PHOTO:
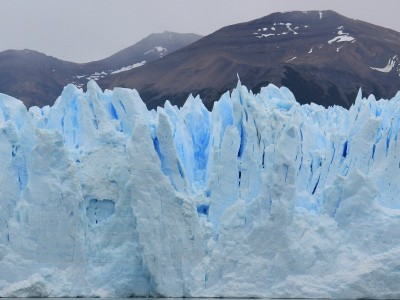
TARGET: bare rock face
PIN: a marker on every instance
(321, 57)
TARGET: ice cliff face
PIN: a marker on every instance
(260, 197)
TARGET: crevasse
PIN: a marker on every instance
(261, 197)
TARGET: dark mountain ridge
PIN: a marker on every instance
(322, 56)
(38, 79)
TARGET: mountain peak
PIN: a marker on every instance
(322, 56)
(38, 79)
(312, 16)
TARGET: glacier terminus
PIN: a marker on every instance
(261, 197)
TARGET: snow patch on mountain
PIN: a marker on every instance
(390, 65)
(161, 51)
(277, 29)
(124, 69)
(97, 75)
(293, 58)
(101, 74)
(341, 37)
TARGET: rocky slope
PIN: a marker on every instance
(38, 79)
(322, 57)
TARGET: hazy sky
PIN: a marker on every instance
(86, 30)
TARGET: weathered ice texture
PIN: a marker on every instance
(260, 197)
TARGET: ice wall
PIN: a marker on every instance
(261, 197)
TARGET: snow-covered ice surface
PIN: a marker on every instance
(261, 197)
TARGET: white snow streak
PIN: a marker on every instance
(264, 35)
(279, 29)
(342, 37)
(161, 51)
(293, 58)
(388, 67)
(129, 67)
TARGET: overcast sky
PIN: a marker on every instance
(86, 30)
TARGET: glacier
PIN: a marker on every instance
(261, 197)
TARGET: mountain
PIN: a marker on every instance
(33, 77)
(322, 56)
(38, 79)
(151, 48)
(261, 197)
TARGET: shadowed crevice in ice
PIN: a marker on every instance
(99, 210)
(260, 197)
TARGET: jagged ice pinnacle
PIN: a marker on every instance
(261, 197)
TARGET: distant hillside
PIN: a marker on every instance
(322, 57)
(38, 79)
